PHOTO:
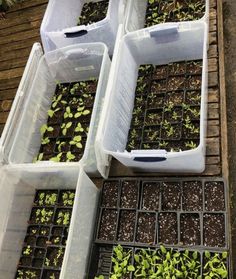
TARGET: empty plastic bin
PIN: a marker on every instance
(136, 12)
(18, 191)
(158, 46)
(69, 64)
(59, 27)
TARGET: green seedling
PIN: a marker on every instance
(81, 111)
(52, 276)
(43, 216)
(79, 128)
(69, 156)
(38, 158)
(45, 128)
(120, 261)
(63, 218)
(57, 100)
(51, 112)
(27, 251)
(60, 144)
(65, 127)
(47, 262)
(45, 141)
(68, 198)
(190, 144)
(68, 113)
(77, 142)
(56, 158)
(215, 266)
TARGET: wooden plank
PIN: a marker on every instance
(212, 65)
(26, 4)
(13, 63)
(212, 79)
(3, 117)
(16, 55)
(5, 105)
(213, 111)
(212, 38)
(7, 94)
(213, 147)
(9, 83)
(213, 51)
(212, 130)
(12, 73)
(19, 36)
(213, 95)
(21, 27)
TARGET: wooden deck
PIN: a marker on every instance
(18, 32)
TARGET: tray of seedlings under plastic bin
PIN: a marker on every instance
(45, 241)
(167, 107)
(64, 136)
(173, 11)
(127, 263)
(93, 12)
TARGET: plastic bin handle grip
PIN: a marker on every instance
(167, 34)
(149, 159)
(76, 31)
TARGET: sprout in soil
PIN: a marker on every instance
(45, 128)
(77, 142)
(56, 158)
(69, 156)
(65, 127)
(45, 141)
(51, 112)
(63, 218)
(190, 144)
(68, 113)
(79, 128)
(81, 111)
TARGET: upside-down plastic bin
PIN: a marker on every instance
(136, 12)
(16, 200)
(69, 64)
(157, 46)
(59, 28)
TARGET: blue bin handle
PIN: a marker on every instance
(149, 159)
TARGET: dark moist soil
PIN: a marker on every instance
(39, 252)
(126, 226)
(42, 241)
(107, 228)
(168, 230)
(129, 194)
(44, 231)
(150, 196)
(110, 194)
(192, 196)
(25, 261)
(190, 232)
(57, 231)
(171, 196)
(214, 196)
(146, 228)
(30, 240)
(214, 230)
(38, 263)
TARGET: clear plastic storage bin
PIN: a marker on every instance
(18, 190)
(136, 12)
(69, 64)
(59, 28)
(15, 114)
(160, 45)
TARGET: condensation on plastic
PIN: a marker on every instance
(188, 43)
(61, 17)
(15, 206)
(136, 11)
(69, 64)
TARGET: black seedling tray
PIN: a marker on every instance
(46, 238)
(168, 106)
(68, 96)
(172, 201)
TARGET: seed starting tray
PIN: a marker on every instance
(161, 93)
(112, 200)
(46, 236)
